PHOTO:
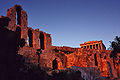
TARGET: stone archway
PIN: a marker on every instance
(30, 38)
(18, 15)
(42, 42)
(54, 64)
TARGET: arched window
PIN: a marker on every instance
(96, 63)
(54, 64)
(30, 38)
(18, 33)
(18, 15)
(41, 40)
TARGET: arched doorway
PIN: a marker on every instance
(55, 64)
(18, 15)
(30, 38)
(41, 39)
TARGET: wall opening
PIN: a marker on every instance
(100, 46)
(55, 64)
(87, 46)
(18, 15)
(41, 40)
(84, 46)
(110, 69)
(96, 46)
(27, 39)
(93, 46)
(18, 33)
(96, 63)
(30, 38)
(90, 46)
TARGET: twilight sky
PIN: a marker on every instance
(72, 22)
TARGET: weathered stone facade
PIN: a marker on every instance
(94, 45)
(91, 54)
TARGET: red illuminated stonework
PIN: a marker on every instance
(91, 53)
(94, 45)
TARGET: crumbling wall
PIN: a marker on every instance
(34, 39)
(18, 17)
(65, 56)
(86, 58)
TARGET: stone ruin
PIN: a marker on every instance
(91, 54)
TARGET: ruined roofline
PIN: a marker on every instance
(21, 20)
(92, 42)
(93, 45)
(17, 5)
(37, 29)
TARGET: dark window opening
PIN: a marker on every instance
(18, 15)
(87, 46)
(93, 46)
(96, 63)
(114, 62)
(18, 33)
(96, 46)
(30, 38)
(110, 69)
(84, 46)
(41, 40)
(54, 64)
(100, 46)
(104, 57)
(90, 46)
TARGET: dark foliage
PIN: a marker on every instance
(115, 46)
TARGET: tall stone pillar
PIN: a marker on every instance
(95, 46)
(99, 46)
(92, 46)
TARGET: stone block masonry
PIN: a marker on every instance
(92, 54)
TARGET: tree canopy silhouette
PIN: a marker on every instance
(115, 47)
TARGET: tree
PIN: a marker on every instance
(115, 47)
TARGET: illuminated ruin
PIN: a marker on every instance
(91, 53)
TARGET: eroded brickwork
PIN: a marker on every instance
(91, 54)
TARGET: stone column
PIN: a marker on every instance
(92, 46)
(95, 46)
(101, 46)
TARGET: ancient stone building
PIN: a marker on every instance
(38, 49)
(93, 45)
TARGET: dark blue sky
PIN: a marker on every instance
(71, 22)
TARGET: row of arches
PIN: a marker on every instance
(30, 38)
